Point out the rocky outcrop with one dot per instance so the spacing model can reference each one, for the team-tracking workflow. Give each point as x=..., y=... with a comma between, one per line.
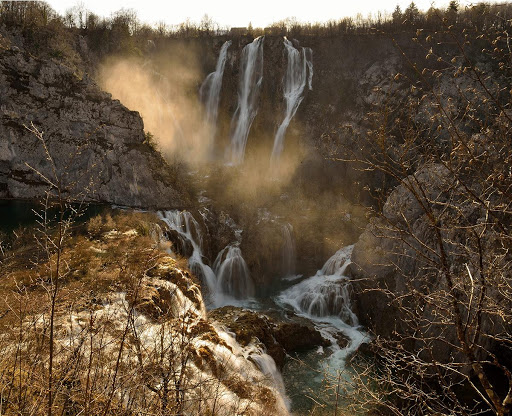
x=97, y=145
x=277, y=336
x=403, y=258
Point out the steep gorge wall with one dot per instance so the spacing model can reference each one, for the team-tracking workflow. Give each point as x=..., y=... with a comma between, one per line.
x=346, y=70
x=98, y=145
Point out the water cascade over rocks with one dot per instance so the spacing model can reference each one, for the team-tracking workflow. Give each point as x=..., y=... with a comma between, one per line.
x=189, y=232
x=300, y=64
x=251, y=77
x=233, y=276
x=229, y=279
x=210, y=91
x=325, y=299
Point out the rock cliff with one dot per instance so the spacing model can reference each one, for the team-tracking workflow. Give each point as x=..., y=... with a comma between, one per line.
x=98, y=145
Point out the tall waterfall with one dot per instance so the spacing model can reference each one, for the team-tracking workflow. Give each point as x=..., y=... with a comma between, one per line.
x=210, y=91
x=251, y=77
x=289, y=253
x=230, y=277
x=325, y=299
x=300, y=64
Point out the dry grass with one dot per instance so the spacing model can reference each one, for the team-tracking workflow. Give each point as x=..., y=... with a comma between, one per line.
x=99, y=258
x=130, y=335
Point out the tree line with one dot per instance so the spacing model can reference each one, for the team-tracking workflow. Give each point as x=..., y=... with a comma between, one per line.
x=123, y=30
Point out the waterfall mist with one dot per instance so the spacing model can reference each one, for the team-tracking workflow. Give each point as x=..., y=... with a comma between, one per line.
x=163, y=90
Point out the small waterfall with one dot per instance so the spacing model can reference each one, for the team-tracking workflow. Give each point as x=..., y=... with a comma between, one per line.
x=325, y=299
x=300, y=64
x=230, y=277
x=267, y=366
x=251, y=77
x=309, y=63
x=289, y=253
x=210, y=92
x=327, y=293
x=189, y=231
x=233, y=276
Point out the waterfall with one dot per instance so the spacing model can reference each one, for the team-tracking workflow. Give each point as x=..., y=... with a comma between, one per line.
x=229, y=279
x=210, y=92
x=325, y=299
x=189, y=231
x=289, y=254
x=251, y=77
x=326, y=293
x=300, y=64
x=233, y=276
x=267, y=366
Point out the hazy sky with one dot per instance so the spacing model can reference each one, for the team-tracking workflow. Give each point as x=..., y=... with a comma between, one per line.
x=239, y=13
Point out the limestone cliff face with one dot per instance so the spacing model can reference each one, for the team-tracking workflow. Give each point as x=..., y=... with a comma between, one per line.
x=98, y=145
x=346, y=71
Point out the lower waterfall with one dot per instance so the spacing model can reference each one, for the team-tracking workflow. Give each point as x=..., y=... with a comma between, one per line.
x=325, y=299
x=229, y=281
x=233, y=276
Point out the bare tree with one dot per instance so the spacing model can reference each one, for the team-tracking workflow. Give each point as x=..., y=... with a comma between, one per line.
x=435, y=262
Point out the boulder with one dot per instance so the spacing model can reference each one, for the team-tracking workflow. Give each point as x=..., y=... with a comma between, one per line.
x=277, y=336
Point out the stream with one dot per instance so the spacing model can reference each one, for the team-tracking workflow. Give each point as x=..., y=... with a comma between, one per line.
x=323, y=299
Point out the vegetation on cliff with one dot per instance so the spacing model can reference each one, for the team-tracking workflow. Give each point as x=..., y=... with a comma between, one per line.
x=433, y=267
x=128, y=332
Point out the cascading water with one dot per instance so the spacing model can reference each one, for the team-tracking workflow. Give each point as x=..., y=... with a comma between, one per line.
x=325, y=300
x=229, y=279
x=188, y=229
x=300, y=64
x=309, y=63
x=233, y=276
x=267, y=366
x=210, y=92
x=251, y=77
x=289, y=253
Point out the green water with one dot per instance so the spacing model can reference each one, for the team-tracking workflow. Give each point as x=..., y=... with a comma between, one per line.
x=18, y=213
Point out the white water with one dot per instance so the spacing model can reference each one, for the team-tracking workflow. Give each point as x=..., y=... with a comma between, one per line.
x=210, y=92
x=233, y=276
x=188, y=228
x=229, y=282
x=251, y=77
x=267, y=366
x=300, y=64
x=264, y=363
x=325, y=299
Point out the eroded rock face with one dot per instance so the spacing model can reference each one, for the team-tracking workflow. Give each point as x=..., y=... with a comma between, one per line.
x=278, y=338
x=381, y=252
x=97, y=144
x=397, y=264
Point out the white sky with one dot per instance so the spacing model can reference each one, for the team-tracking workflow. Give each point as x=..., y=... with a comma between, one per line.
x=239, y=13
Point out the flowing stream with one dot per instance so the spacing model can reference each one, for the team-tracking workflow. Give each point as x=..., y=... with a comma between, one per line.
x=324, y=299
x=300, y=63
x=251, y=77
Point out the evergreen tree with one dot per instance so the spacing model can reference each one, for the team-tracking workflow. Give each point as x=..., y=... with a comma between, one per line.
x=397, y=15
x=412, y=13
